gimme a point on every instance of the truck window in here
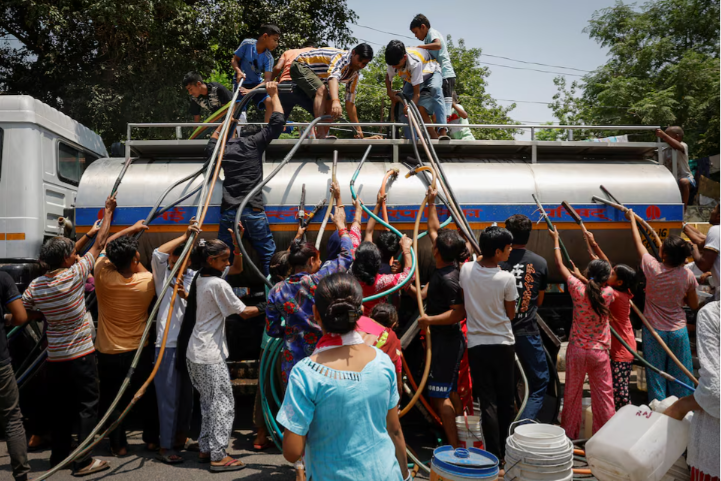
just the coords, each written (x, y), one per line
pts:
(72, 163)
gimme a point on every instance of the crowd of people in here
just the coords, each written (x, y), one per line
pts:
(341, 361)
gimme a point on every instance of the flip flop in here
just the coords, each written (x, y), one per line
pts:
(262, 447)
(95, 466)
(169, 458)
(444, 138)
(227, 467)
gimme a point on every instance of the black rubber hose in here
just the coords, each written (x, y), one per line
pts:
(444, 178)
(259, 187)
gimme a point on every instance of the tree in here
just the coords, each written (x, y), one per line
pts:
(371, 98)
(107, 63)
(663, 69)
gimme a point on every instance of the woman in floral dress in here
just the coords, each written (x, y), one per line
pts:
(292, 300)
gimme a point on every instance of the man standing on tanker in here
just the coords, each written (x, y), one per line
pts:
(243, 170)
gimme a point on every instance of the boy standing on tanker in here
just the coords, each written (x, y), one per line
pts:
(531, 273)
(253, 62)
(490, 297)
(444, 313)
(673, 136)
(421, 75)
(319, 72)
(243, 170)
(435, 44)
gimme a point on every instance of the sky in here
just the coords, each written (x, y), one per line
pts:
(548, 32)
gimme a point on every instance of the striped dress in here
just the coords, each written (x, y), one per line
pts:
(61, 299)
(328, 62)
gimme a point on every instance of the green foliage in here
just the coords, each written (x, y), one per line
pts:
(373, 103)
(106, 63)
(663, 70)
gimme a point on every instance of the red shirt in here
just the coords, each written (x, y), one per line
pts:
(621, 322)
(382, 338)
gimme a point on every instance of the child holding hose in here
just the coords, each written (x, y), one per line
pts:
(623, 282)
(669, 285)
(588, 345)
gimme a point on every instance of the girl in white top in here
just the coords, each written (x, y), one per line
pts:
(210, 301)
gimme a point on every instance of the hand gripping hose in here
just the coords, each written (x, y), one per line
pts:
(319, 239)
(87, 444)
(391, 174)
(616, 335)
(401, 284)
(260, 186)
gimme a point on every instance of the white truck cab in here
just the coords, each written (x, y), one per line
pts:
(43, 154)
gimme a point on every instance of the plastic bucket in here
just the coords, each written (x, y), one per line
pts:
(470, 433)
(540, 435)
(462, 464)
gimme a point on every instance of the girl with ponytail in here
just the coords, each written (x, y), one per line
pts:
(292, 299)
(589, 344)
(203, 348)
(669, 286)
(341, 405)
(366, 269)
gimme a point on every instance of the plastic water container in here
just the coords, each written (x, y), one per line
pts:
(636, 444)
(463, 464)
(585, 404)
(470, 433)
(661, 406)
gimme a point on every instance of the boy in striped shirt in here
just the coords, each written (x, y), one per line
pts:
(59, 295)
(318, 73)
(422, 80)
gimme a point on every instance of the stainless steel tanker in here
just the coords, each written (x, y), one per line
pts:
(492, 180)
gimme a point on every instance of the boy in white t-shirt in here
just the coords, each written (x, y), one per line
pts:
(490, 298)
(673, 136)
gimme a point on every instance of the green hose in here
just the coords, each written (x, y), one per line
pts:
(387, 226)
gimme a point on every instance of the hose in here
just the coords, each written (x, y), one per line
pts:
(625, 210)
(260, 186)
(454, 206)
(323, 224)
(392, 173)
(526, 391)
(401, 284)
(419, 297)
(413, 384)
(87, 444)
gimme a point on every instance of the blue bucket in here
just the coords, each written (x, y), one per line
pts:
(463, 464)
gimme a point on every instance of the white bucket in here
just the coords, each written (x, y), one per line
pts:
(539, 452)
(469, 435)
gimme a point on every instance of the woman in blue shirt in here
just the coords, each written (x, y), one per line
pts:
(341, 404)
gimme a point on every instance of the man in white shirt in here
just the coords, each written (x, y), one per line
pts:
(490, 298)
(706, 249)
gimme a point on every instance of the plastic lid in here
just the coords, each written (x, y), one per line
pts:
(464, 461)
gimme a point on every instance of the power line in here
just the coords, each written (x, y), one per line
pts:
(490, 55)
(532, 69)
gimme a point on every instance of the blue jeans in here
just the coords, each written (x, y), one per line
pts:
(431, 96)
(658, 387)
(529, 350)
(175, 399)
(257, 229)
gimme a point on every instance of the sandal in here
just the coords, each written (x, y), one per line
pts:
(95, 466)
(262, 447)
(229, 466)
(169, 458)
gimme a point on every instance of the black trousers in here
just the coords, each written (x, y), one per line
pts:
(11, 421)
(113, 369)
(492, 372)
(74, 395)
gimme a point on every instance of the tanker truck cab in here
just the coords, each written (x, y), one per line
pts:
(43, 154)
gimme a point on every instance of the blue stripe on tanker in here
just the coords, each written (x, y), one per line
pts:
(482, 213)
